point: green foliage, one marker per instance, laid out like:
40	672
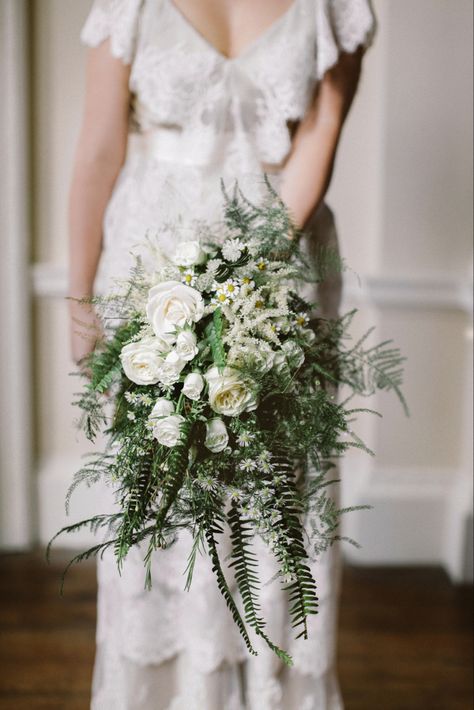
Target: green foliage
245	564
90	473
213	526
274	477
292	553
213	332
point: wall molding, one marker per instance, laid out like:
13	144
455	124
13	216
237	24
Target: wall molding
49	280
413	509
419	516
17	519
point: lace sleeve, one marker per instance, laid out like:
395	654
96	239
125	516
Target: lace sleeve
341	26
116	20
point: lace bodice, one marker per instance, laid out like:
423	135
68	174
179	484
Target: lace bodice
195	99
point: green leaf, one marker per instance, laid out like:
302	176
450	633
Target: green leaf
213	333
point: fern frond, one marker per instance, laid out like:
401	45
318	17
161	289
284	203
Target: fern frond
292	553
89	474
211	530
94	524
197	545
245	564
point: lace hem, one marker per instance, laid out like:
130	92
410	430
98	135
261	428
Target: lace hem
120	684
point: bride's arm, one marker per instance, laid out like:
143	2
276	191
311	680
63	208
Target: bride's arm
308	170
99	157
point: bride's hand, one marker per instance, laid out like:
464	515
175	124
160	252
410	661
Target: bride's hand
85	329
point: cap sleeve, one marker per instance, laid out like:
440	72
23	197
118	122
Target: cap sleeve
342	26
116	20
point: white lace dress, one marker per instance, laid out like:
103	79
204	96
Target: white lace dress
196	117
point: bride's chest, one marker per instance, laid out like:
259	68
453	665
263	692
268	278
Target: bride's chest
178	75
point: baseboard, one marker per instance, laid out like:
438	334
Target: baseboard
417	517
54	479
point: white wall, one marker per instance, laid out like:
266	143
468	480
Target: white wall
401	192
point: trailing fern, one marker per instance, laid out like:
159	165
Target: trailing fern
218	396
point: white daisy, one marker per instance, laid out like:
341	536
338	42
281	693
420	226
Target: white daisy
246	285
189	277
231	288
145	399
247	465
301	319
220	299
245	438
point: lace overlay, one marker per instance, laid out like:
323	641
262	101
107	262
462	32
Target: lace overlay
198	117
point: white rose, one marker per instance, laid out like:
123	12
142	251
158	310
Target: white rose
217	437
142	361
189	254
173	305
228	394
279	361
186	345
193	385
171	368
294	354
309	336
163	408
167	431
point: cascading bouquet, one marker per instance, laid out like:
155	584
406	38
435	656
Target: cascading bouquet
223	382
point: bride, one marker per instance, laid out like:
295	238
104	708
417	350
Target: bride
179	95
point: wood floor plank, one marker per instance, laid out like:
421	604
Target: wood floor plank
405	637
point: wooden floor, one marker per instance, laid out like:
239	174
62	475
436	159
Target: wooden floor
405	640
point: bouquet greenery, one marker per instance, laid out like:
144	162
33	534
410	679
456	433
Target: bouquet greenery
223	381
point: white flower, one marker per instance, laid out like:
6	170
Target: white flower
131	416
247	465
162	408
167	431
220	298
189	277
246	285
145	399
230	288
186	345
228	394
308	336
142	361
302	319
193	385
189	254
213	265
258	354
232	249
279	361
293	352
171	368
173	305
245	438
217	437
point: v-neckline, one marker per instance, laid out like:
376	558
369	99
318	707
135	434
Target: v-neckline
250	46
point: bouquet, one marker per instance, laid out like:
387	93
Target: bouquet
224	385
